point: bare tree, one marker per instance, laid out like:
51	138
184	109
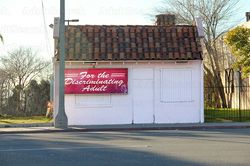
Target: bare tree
215	14
21	66
3	89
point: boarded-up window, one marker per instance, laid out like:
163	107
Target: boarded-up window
176	85
92	100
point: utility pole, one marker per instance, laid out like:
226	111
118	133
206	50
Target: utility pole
61	120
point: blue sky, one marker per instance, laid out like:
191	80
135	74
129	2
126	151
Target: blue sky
22	22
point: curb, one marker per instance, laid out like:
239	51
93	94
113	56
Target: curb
26	125
35	128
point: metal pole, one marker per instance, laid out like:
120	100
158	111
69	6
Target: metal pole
240	86
61	120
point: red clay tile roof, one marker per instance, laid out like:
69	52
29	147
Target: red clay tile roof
119	43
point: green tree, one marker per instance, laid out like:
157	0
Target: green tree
13	106
37	96
32	98
3	90
44	94
238	40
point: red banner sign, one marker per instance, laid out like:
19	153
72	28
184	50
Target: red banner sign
96	81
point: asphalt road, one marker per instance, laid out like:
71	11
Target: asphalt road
227	147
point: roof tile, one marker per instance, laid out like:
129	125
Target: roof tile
100	43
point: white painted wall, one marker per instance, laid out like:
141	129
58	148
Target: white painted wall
145	102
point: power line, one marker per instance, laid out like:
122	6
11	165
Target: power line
47	41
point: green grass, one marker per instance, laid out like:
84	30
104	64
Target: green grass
24	120
226	115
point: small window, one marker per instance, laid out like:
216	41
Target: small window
176	85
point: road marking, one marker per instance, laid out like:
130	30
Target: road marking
71	148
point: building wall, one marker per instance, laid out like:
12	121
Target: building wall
241	93
158	92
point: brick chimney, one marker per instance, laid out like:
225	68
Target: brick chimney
248	16
165	19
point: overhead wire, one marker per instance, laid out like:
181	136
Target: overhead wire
47	40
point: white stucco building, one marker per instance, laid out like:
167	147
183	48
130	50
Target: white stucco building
132	74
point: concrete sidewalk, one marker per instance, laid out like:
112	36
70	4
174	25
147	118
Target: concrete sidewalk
48	127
